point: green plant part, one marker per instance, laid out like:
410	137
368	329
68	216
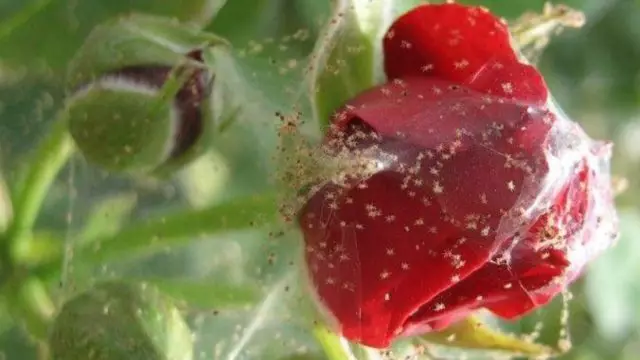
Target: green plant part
6	209
139	94
116	320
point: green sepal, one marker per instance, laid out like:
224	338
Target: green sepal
121	128
473	334
136	40
201	145
118	320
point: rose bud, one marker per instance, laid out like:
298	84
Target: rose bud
486	196
115	320
139	94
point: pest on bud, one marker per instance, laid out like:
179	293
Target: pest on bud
115	320
139	94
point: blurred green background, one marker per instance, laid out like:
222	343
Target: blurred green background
593	72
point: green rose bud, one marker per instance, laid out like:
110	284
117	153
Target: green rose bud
115	320
139	98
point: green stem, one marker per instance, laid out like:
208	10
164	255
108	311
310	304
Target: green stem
40	173
30	304
172	230
366	353
335	347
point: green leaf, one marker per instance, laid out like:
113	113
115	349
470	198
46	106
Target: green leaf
272	40
251	90
344	60
264	314
348	55
115	320
60	26
6	321
513	9
304	357
171	230
211	294
284	310
403	6
6	208
611	285
271	21
472	333
254	86
107	216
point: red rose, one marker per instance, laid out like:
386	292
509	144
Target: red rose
484	196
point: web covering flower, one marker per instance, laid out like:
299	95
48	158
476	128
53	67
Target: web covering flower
475	191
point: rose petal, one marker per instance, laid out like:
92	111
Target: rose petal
531	270
500	172
486	149
377	254
511	80
375	299
450	41
482	197
430	113
463	44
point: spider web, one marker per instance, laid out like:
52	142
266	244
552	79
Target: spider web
275	326
268	327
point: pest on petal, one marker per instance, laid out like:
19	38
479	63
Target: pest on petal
486	195
465	44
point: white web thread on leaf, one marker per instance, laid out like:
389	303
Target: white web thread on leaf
260	316
67	256
321	52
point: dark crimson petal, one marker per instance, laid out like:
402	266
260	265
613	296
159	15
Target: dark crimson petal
572	232
430	113
476	200
463	44
495	287
511	80
379	252
487	150
534	267
509	290
450	41
501	170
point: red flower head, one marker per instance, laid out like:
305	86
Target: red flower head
476	191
